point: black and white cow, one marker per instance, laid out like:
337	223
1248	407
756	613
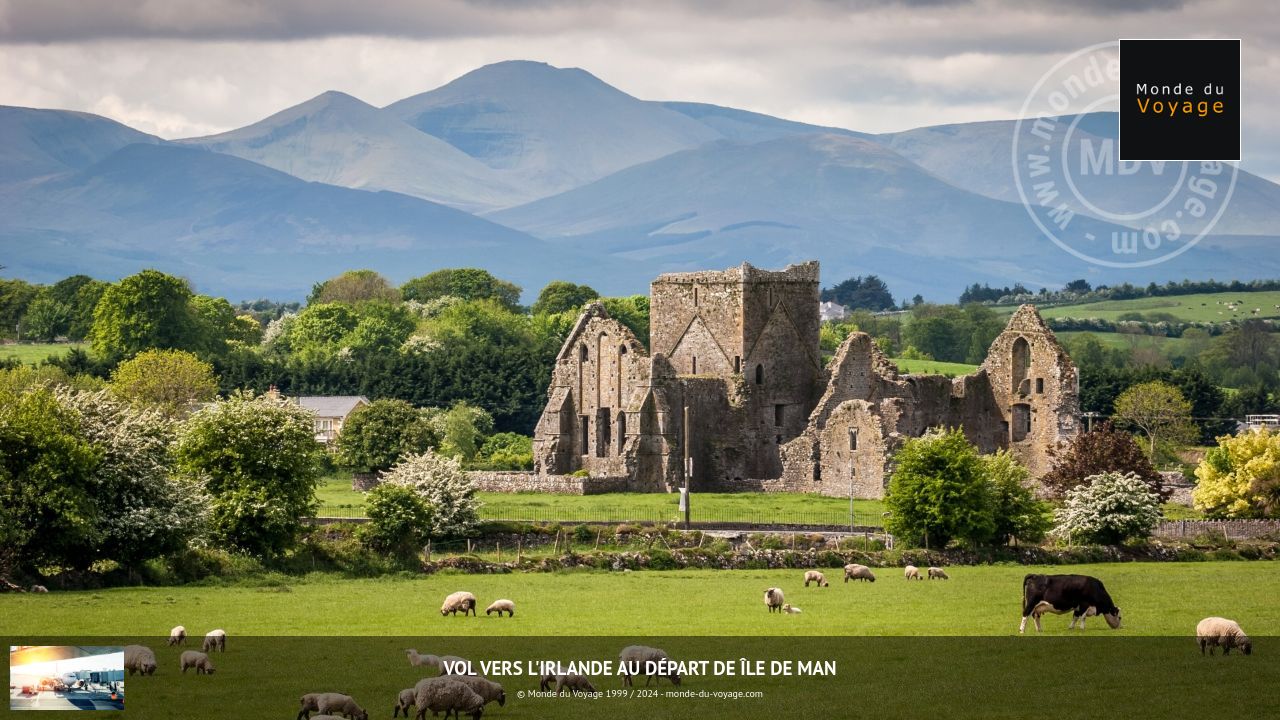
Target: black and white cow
1080	595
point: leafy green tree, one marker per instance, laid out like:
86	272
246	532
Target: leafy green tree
1104	449
867	293
560	296
377	435
46	317
632	311
462	430
15	296
381	328
215	322
448	494
1240	478
353	287
400	520
464	283
1109	510
939	492
258	460
1159	412
321	327
48	502
171	381
1017	513
506	451
144	311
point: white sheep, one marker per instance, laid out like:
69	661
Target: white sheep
447	694
791	609
419	660
501	606
197	660
550	675
215	640
139	659
461	601
854	571
911	572
635	657
177	636
574	684
773	599
815	576
39	589
484	687
331	703
938	574
403	702
1213	632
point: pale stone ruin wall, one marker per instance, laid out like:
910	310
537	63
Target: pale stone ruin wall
739	349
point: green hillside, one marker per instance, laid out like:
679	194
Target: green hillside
32	353
1204	307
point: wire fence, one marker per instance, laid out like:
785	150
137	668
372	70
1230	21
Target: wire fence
650	516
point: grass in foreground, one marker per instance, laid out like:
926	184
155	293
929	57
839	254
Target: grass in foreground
1157	599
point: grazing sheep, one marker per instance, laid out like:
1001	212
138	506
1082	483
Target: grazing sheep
551	674
574	683
197	660
642	654
815	576
460	601
484	687
791	609
139	659
447	694
773	599
39	589
177	636
403	702
937	573
331	703
858	572
419	660
1213	632
911	572
501	606
215	639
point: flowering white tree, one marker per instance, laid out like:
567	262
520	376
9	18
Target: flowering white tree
447	491
1109	509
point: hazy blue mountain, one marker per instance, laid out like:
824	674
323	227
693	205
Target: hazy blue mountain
244	230
36	143
977	157
853	204
549	129
335	138
746	126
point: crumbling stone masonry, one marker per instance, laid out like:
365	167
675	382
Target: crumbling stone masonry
738	351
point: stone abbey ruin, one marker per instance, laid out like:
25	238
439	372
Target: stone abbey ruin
736	352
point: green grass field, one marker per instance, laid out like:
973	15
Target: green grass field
1167	346
335	493
934	367
899	649
32	353
1157	599
1204	307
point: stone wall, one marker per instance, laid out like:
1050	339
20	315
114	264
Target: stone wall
529	481
1232	529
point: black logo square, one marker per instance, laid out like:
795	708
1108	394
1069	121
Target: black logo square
1180	100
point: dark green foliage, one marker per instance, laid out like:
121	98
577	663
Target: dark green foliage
860	293
399	520
464	283
560	296
377	435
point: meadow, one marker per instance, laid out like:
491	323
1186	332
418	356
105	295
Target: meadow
934	367
1202	307
964	658
33	353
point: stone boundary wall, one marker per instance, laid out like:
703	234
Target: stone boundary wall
1231	529
512	481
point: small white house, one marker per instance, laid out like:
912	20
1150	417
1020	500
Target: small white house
832	311
331	412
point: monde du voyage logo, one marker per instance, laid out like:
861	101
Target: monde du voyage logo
1143	188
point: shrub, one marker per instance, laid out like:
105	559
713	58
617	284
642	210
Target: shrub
939	492
506	451
376	436
1016	511
399	520
1105	449
1112	508
1240	478
446	491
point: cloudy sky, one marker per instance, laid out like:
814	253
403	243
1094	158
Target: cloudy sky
178	68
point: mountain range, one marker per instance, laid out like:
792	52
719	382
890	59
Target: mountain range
540	173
